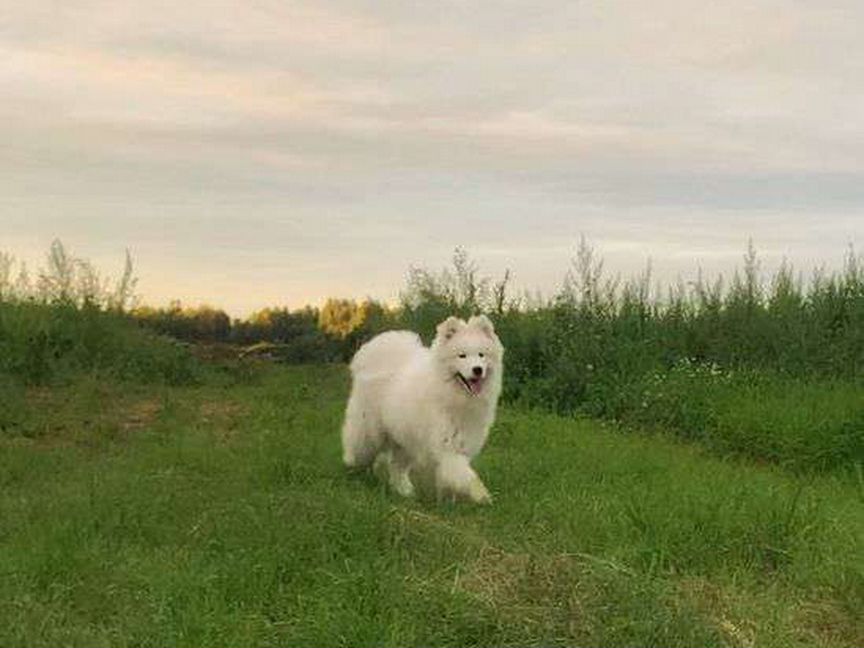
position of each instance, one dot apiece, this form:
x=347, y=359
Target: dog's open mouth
x=474, y=385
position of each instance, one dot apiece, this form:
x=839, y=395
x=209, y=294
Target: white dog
x=425, y=410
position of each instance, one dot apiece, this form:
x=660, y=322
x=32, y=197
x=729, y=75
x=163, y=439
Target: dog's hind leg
x=362, y=440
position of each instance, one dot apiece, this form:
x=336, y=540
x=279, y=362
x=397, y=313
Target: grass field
x=219, y=514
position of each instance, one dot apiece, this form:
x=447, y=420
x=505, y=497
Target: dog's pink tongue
x=476, y=385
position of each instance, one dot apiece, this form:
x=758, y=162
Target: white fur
x=410, y=412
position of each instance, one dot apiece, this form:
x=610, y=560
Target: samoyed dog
x=425, y=411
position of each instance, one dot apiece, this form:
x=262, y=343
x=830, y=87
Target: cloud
x=315, y=135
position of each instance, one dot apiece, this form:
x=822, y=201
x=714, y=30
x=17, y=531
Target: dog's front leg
x=455, y=476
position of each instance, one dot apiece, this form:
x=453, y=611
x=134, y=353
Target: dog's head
x=471, y=354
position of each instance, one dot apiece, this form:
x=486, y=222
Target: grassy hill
x=219, y=513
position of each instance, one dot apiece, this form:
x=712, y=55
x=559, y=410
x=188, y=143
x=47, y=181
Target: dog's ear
x=449, y=327
x=483, y=323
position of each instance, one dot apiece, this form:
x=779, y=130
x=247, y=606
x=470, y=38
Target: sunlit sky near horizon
x=253, y=153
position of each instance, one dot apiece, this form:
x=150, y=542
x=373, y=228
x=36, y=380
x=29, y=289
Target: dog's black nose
x=478, y=371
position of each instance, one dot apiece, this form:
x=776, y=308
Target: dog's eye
x=480, y=354
x=462, y=355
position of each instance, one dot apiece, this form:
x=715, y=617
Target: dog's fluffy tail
x=385, y=355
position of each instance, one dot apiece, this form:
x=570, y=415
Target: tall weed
x=768, y=367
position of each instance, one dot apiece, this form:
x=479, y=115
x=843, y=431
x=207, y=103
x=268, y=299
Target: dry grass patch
x=827, y=623
x=83, y=414
x=543, y=592
x=141, y=414
x=223, y=417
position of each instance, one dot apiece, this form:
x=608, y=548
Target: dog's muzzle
x=473, y=385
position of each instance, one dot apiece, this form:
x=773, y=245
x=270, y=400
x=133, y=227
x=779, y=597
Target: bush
x=772, y=370
x=43, y=343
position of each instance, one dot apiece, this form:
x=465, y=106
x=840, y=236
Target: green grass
x=804, y=424
x=220, y=514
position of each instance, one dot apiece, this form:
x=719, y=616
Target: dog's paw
x=478, y=493
x=402, y=484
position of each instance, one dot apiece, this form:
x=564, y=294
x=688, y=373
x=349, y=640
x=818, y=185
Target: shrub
x=41, y=343
x=769, y=369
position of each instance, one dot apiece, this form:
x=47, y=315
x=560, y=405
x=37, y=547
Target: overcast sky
x=272, y=152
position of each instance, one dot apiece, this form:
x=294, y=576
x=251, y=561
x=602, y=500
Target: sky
x=260, y=152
